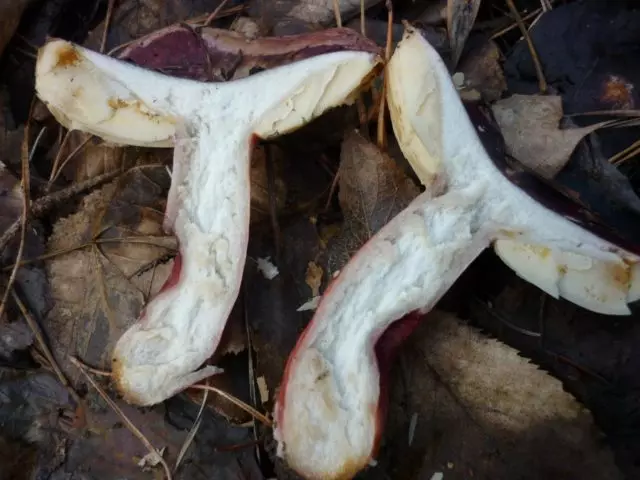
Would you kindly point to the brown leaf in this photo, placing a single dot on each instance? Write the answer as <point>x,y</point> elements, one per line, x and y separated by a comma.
<point>482,70</point>
<point>530,126</point>
<point>288,17</point>
<point>109,450</point>
<point>313,278</point>
<point>100,289</point>
<point>482,411</point>
<point>373,189</point>
<point>133,19</point>
<point>461,15</point>
<point>10,13</point>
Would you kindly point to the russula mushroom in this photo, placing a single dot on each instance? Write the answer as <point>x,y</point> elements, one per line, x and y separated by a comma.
<point>212,127</point>
<point>329,410</point>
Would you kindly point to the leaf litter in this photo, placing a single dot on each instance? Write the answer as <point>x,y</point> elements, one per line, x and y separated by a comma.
<point>463,403</point>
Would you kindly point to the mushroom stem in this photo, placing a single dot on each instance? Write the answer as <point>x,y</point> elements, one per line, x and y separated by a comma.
<point>212,126</point>
<point>328,413</point>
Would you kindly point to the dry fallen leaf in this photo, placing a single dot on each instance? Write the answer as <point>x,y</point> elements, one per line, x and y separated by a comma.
<point>295,16</point>
<point>461,15</point>
<point>530,126</point>
<point>373,189</point>
<point>482,70</point>
<point>99,290</point>
<point>486,411</point>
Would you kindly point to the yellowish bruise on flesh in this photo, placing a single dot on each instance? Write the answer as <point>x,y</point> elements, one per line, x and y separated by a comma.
<point>601,286</point>
<point>98,104</point>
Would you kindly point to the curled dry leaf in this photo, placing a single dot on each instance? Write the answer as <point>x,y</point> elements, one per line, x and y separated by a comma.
<point>373,190</point>
<point>487,412</point>
<point>530,126</point>
<point>461,15</point>
<point>99,290</point>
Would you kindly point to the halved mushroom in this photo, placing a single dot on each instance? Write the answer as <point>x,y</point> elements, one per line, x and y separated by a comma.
<point>212,127</point>
<point>328,412</point>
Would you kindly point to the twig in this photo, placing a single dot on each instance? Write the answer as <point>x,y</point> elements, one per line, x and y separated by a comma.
<point>122,415</point>
<point>631,151</point>
<point>68,159</point>
<point>215,13</point>
<point>251,369</point>
<point>194,430</point>
<point>271,190</point>
<point>336,12</point>
<point>382,139</point>
<point>362,20</point>
<point>26,205</point>
<point>107,23</point>
<point>542,83</point>
<point>504,30</point>
<point>236,401</point>
<point>46,351</point>
<point>56,161</point>
<point>332,190</point>
<point>44,204</point>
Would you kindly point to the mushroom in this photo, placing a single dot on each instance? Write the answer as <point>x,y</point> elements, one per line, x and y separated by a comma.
<point>212,127</point>
<point>330,408</point>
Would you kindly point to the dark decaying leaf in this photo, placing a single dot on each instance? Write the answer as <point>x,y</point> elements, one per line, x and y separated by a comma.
<point>461,15</point>
<point>107,449</point>
<point>35,410</point>
<point>482,411</point>
<point>10,13</point>
<point>373,189</point>
<point>482,68</point>
<point>132,19</point>
<point>31,281</point>
<point>287,17</point>
<point>100,289</point>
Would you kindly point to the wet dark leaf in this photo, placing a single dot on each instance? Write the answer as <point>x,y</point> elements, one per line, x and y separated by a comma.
<point>10,13</point>
<point>100,289</point>
<point>287,17</point>
<point>373,189</point>
<point>461,15</point>
<point>479,410</point>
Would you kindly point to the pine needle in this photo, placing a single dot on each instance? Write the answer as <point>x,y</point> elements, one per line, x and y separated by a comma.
<point>128,423</point>
<point>236,401</point>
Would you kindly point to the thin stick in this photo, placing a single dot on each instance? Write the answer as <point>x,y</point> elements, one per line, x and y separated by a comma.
<point>251,371</point>
<point>631,151</point>
<point>382,137</point>
<point>69,157</point>
<point>44,204</point>
<point>527,17</point>
<point>26,206</point>
<point>56,161</point>
<point>236,401</point>
<point>215,13</point>
<point>194,430</point>
<point>542,83</point>
<point>362,21</point>
<point>46,351</point>
<point>336,12</point>
<point>122,415</point>
<point>107,23</point>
